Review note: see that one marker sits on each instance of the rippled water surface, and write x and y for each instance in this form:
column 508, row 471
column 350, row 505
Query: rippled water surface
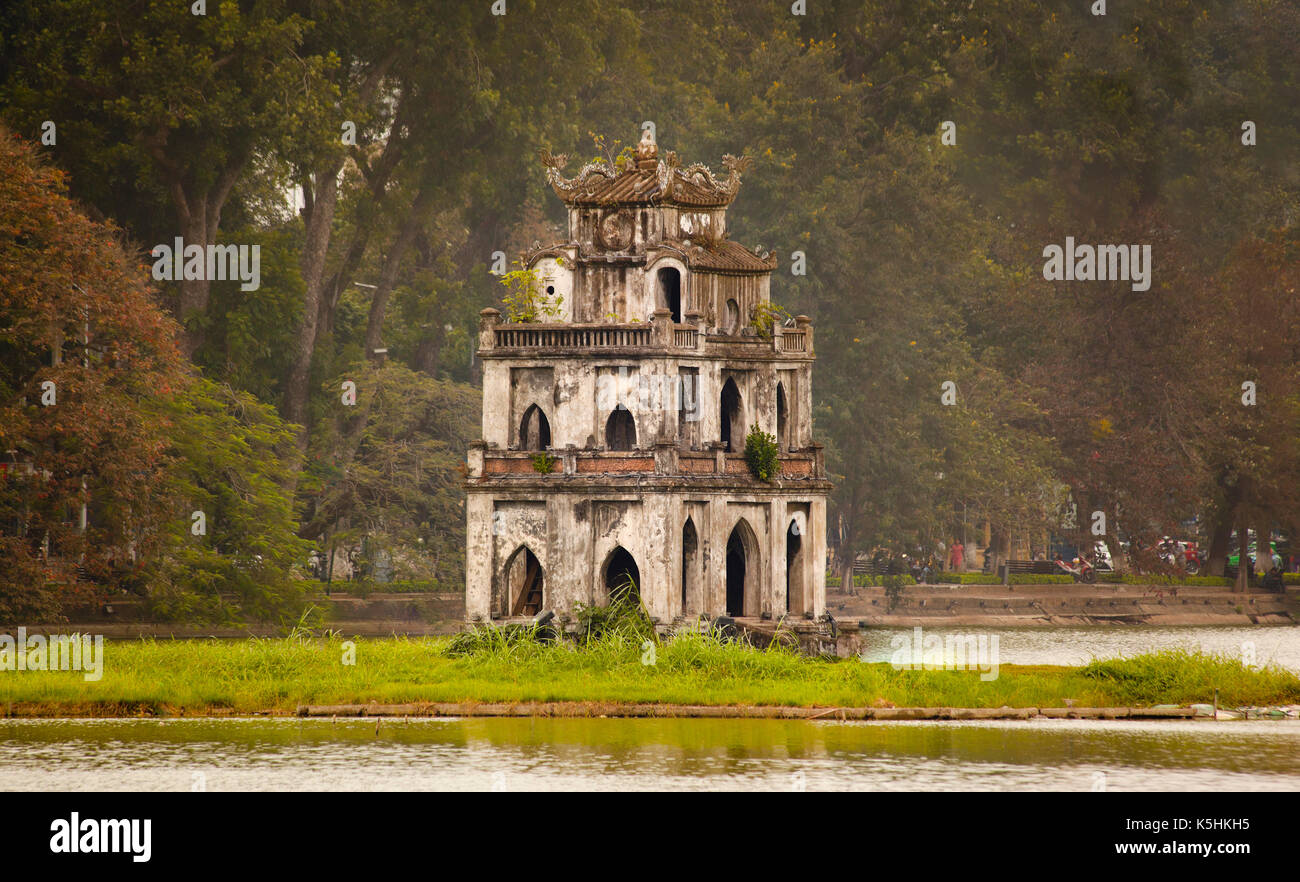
column 616, row 754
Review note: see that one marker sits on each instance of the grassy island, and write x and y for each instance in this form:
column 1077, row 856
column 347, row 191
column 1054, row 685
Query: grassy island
column 277, row 675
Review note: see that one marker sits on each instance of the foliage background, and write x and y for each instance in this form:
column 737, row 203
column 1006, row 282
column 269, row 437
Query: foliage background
column 924, row 260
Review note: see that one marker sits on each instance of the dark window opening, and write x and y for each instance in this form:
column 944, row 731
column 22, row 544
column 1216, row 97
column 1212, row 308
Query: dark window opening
column 670, row 291
column 622, row 578
column 794, row 601
column 524, row 580
column 534, row 430
column 733, row 429
column 690, row 544
column 620, row 430
column 735, row 574
column 782, row 430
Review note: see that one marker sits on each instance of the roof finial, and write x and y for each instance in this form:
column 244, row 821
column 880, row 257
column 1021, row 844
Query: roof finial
column 647, row 151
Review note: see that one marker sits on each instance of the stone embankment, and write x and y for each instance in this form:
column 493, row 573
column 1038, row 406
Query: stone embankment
column 610, row 709
column 1064, row 605
column 421, row 614
column 696, row 711
column 375, row 615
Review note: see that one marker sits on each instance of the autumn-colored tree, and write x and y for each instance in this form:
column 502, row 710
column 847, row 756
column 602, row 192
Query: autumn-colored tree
column 83, row 346
column 110, row 443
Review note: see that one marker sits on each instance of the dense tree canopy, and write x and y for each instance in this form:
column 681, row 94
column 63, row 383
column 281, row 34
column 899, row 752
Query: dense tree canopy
column 919, row 156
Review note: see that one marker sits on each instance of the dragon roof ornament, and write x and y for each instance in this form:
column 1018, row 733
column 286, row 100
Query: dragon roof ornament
column 598, row 181
column 579, row 184
column 700, row 174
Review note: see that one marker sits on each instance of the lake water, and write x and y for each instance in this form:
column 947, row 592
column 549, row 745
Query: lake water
column 1075, row 646
column 620, row 755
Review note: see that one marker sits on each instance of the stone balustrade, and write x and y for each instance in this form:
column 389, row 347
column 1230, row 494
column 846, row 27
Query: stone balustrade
column 658, row 335
column 664, row 459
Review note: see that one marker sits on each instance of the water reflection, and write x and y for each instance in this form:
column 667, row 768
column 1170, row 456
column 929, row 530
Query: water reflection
column 562, row 754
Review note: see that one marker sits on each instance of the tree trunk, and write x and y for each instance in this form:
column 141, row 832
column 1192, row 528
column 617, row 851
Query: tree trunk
column 193, row 303
column 429, row 352
column 1263, row 548
column 1243, row 556
column 320, row 218
column 415, row 219
column 318, row 302
column 198, row 217
column 846, row 572
column 1217, row 554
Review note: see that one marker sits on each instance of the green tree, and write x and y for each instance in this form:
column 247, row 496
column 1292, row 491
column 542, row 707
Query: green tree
column 178, row 103
column 230, row 457
column 386, row 473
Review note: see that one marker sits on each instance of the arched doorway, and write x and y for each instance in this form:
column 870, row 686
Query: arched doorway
column 743, row 567
column 782, row 429
column 690, row 565
column 622, row 576
column 670, row 291
column 733, row 424
column 620, row 429
column 794, row 599
column 534, row 430
column 522, row 583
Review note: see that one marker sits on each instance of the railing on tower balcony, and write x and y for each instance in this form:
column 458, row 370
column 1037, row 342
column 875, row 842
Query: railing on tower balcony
column 572, row 336
column 664, row 459
column 793, row 340
column 659, row 334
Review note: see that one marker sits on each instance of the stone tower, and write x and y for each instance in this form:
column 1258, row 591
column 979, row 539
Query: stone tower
column 640, row 388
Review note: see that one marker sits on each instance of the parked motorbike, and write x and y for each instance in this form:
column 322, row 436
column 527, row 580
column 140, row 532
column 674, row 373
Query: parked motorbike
column 1101, row 557
column 1184, row 555
column 1081, row 570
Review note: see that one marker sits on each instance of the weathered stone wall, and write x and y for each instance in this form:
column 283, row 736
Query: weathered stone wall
column 711, row 291
column 574, row 528
column 654, row 296
column 577, row 394
column 664, row 349
column 557, row 280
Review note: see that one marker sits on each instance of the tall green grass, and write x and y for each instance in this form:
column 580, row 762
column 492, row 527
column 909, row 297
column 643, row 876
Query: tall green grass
column 251, row 676
column 1185, row 676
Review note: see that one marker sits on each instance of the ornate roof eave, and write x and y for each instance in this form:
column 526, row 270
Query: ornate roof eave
column 668, row 248
column 537, row 252
column 725, row 258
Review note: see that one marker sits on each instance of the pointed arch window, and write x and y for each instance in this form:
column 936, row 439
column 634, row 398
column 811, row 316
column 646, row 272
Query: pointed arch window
column 534, row 430
column 620, row 430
